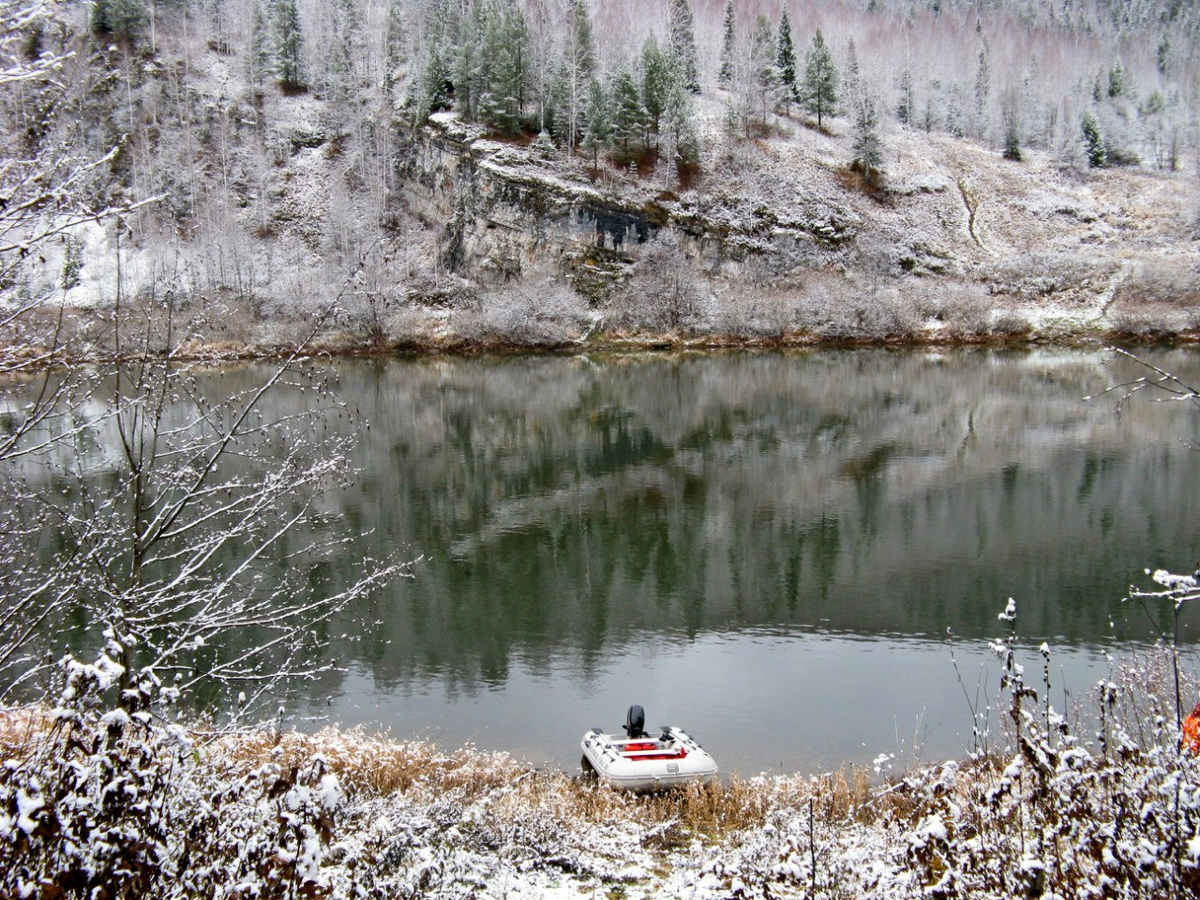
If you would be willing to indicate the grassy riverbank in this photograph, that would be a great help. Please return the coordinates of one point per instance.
(1098, 803)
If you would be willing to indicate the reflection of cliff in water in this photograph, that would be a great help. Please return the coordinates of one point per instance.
(568, 505)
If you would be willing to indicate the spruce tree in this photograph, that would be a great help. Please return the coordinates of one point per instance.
(629, 120)
(656, 81)
(983, 85)
(819, 91)
(725, 76)
(124, 20)
(681, 30)
(785, 63)
(463, 49)
(853, 79)
(258, 56)
(598, 133)
(868, 148)
(1163, 57)
(905, 111)
(288, 45)
(1093, 141)
(395, 41)
(1012, 136)
(435, 81)
(1117, 86)
(505, 62)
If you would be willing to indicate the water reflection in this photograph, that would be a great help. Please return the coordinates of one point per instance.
(594, 524)
(766, 544)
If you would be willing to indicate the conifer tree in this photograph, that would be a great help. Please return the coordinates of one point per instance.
(983, 85)
(681, 31)
(1093, 141)
(819, 91)
(395, 41)
(598, 133)
(629, 120)
(682, 138)
(435, 81)
(785, 63)
(1163, 57)
(506, 64)
(905, 111)
(258, 56)
(122, 19)
(853, 79)
(288, 45)
(463, 51)
(656, 82)
(1117, 86)
(1012, 130)
(868, 148)
(725, 76)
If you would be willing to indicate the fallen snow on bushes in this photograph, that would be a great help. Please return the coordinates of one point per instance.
(97, 800)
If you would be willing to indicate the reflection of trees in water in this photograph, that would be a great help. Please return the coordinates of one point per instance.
(571, 504)
(567, 506)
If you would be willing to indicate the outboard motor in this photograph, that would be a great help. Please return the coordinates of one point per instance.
(635, 722)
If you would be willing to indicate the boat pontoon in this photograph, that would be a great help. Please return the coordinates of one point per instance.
(638, 761)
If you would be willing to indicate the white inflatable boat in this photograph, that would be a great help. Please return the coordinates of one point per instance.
(637, 761)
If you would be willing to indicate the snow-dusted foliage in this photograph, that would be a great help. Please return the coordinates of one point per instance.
(95, 800)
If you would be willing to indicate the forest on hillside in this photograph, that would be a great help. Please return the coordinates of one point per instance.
(197, 122)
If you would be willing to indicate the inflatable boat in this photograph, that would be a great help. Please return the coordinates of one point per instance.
(637, 761)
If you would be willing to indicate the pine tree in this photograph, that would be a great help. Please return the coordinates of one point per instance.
(785, 62)
(905, 110)
(725, 76)
(681, 30)
(1093, 140)
(656, 81)
(598, 133)
(983, 84)
(629, 120)
(1117, 86)
(1012, 136)
(1162, 56)
(124, 20)
(435, 81)
(463, 51)
(868, 148)
(258, 56)
(819, 92)
(543, 144)
(853, 80)
(505, 61)
(288, 45)
(396, 38)
(337, 77)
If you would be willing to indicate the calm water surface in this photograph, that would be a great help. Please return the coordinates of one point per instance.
(784, 553)
(780, 552)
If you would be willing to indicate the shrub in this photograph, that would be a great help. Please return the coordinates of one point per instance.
(525, 315)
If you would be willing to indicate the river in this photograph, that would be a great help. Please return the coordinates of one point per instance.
(799, 557)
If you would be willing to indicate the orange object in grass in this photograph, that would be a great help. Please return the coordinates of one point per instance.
(1191, 731)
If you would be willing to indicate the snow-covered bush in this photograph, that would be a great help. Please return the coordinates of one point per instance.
(524, 315)
(96, 801)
